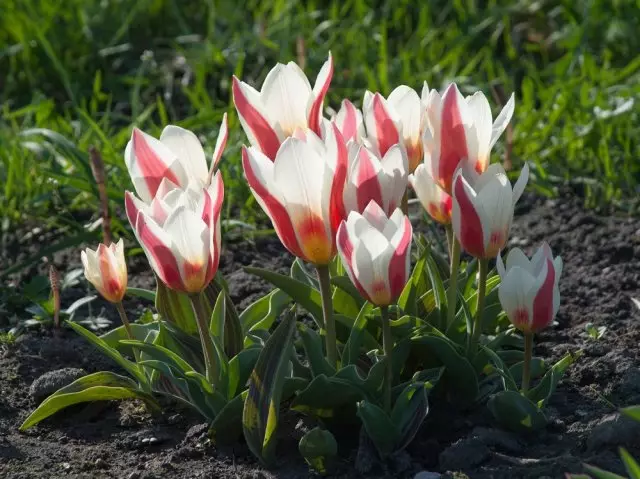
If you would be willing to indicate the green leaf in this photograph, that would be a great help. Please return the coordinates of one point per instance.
(313, 346)
(262, 407)
(632, 467)
(226, 428)
(351, 351)
(301, 293)
(233, 340)
(262, 313)
(186, 346)
(142, 293)
(240, 368)
(379, 427)
(632, 411)
(515, 412)
(543, 391)
(508, 381)
(216, 325)
(100, 386)
(175, 307)
(436, 283)
(598, 473)
(326, 397)
(409, 412)
(538, 367)
(344, 283)
(131, 367)
(140, 332)
(459, 373)
(319, 448)
(413, 289)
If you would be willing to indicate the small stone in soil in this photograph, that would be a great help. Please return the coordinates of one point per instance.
(51, 381)
(464, 454)
(100, 463)
(427, 475)
(612, 430)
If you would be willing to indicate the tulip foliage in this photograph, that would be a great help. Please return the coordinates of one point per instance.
(396, 319)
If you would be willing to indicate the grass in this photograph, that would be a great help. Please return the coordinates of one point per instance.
(81, 73)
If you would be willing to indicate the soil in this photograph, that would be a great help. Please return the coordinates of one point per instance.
(121, 440)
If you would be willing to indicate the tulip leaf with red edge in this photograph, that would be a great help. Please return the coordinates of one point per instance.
(515, 412)
(547, 385)
(313, 346)
(131, 367)
(459, 373)
(408, 413)
(379, 428)
(632, 411)
(303, 294)
(262, 406)
(353, 346)
(226, 428)
(319, 448)
(100, 386)
(262, 313)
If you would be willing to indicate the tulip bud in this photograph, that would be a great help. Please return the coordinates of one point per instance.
(529, 291)
(433, 198)
(106, 269)
(483, 209)
(375, 252)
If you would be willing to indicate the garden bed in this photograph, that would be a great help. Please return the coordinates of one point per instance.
(601, 276)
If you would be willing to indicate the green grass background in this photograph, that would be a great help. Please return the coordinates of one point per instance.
(78, 73)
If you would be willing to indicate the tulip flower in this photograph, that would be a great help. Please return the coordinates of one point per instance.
(530, 295)
(177, 156)
(106, 269)
(349, 122)
(301, 191)
(529, 291)
(434, 199)
(375, 252)
(483, 209)
(180, 232)
(285, 103)
(459, 129)
(397, 119)
(371, 178)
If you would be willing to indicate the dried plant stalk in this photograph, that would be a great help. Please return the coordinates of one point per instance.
(54, 279)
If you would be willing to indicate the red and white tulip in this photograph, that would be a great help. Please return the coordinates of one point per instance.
(106, 269)
(436, 202)
(370, 178)
(396, 119)
(483, 209)
(529, 291)
(350, 123)
(177, 156)
(179, 232)
(285, 103)
(459, 129)
(375, 250)
(301, 190)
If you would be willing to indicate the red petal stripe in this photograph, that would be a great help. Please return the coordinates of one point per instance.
(453, 141)
(268, 141)
(316, 107)
(350, 125)
(152, 168)
(471, 235)
(386, 131)
(367, 185)
(398, 263)
(166, 263)
(543, 302)
(346, 248)
(336, 207)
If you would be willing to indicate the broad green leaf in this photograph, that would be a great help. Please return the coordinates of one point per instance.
(300, 272)
(459, 373)
(262, 407)
(632, 411)
(129, 366)
(632, 467)
(379, 427)
(233, 340)
(100, 386)
(140, 332)
(175, 307)
(597, 473)
(409, 412)
(515, 412)
(437, 285)
(186, 346)
(301, 293)
(313, 346)
(262, 313)
(142, 293)
(240, 368)
(226, 428)
(351, 351)
(344, 283)
(326, 397)
(508, 381)
(547, 385)
(319, 448)
(216, 324)
(414, 289)
(538, 367)
(161, 354)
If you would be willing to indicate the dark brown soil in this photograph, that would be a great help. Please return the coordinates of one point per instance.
(120, 440)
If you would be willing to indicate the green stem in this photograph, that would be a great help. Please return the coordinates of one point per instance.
(450, 238)
(324, 278)
(483, 265)
(205, 337)
(405, 202)
(127, 327)
(526, 367)
(452, 293)
(387, 346)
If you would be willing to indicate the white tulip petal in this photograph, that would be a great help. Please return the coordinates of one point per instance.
(187, 148)
(502, 120)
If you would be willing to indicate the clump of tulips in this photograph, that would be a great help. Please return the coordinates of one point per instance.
(386, 337)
